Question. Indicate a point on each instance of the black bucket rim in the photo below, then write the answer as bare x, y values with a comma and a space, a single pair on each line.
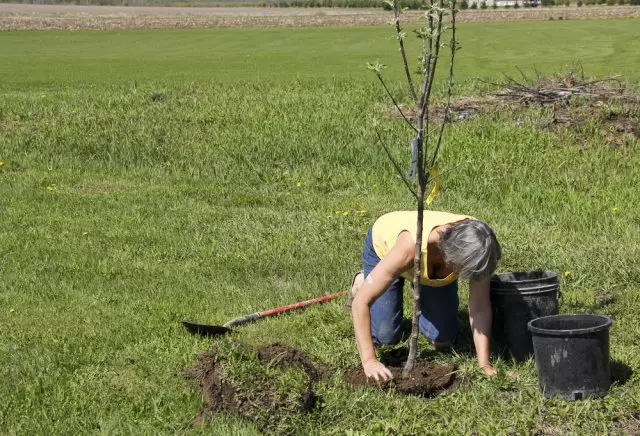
606, 323
526, 291
548, 275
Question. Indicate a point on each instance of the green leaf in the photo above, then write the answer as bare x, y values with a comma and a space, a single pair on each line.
377, 67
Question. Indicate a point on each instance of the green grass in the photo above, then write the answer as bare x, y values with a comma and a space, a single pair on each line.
58, 60
122, 214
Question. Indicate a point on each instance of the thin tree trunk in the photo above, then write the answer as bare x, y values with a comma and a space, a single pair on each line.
417, 262
430, 54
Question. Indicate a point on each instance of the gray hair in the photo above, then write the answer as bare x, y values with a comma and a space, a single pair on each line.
472, 247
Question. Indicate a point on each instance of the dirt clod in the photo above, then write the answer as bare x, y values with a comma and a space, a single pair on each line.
261, 405
426, 379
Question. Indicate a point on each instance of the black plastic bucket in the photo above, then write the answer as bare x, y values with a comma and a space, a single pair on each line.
516, 299
572, 355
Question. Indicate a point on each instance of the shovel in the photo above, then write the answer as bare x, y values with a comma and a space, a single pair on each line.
213, 330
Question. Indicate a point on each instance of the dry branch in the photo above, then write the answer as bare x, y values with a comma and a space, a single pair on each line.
548, 90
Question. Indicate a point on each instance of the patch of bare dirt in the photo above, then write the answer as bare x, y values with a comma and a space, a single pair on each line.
425, 380
76, 17
628, 427
460, 109
265, 407
580, 107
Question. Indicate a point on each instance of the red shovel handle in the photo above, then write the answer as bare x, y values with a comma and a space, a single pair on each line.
253, 316
301, 304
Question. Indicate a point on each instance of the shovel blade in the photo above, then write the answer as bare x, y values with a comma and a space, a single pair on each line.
204, 329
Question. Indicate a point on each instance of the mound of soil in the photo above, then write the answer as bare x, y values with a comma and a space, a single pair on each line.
262, 407
425, 380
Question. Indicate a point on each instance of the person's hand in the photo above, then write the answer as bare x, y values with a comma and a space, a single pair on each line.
488, 370
373, 368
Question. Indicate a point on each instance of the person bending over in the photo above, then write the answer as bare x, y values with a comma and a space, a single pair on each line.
453, 246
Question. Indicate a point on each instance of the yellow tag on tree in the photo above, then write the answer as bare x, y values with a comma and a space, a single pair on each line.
434, 175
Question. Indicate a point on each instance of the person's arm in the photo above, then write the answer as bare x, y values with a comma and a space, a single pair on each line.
398, 260
480, 317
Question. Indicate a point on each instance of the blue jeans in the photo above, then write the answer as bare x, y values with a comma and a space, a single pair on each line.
439, 306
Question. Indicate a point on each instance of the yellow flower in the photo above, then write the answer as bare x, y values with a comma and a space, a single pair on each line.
298, 184
345, 213
50, 188
11, 311
568, 274
615, 210
1, 163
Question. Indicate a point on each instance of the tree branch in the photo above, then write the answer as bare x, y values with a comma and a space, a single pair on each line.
396, 166
394, 102
396, 14
437, 48
427, 60
454, 48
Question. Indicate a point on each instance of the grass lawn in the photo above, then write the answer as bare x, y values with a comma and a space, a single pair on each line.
151, 176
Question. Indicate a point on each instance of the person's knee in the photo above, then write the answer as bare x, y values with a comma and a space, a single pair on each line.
442, 345
447, 335
442, 333
387, 333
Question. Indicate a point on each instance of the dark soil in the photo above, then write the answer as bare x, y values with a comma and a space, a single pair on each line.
285, 356
263, 407
617, 129
425, 380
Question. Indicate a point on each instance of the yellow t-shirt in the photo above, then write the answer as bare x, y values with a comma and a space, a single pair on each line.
386, 229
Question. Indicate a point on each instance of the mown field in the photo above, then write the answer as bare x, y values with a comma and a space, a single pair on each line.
154, 175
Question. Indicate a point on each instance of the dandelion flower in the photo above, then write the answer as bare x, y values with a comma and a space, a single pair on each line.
345, 213
1, 163
298, 184
615, 210
12, 311
568, 274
